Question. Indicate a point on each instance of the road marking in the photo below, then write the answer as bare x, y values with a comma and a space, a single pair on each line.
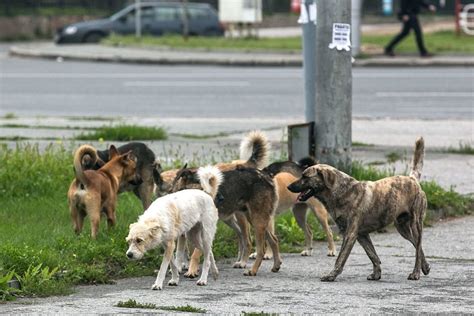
430, 75
190, 84
424, 94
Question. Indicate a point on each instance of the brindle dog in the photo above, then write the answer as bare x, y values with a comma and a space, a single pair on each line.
361, 207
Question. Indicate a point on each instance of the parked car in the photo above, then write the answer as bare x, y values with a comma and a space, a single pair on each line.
157, 18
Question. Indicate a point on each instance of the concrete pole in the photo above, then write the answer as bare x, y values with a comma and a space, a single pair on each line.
309, 66
333, 111
138, 18
356, 13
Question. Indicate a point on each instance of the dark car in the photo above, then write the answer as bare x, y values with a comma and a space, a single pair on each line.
156, 19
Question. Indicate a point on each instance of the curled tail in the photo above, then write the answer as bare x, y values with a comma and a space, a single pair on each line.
307, 162
254, 148
79, 155
210, 178
418, 159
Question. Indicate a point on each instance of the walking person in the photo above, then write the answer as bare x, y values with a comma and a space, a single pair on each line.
408, 14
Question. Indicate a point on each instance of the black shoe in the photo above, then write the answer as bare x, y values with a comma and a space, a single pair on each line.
426, 55
388, 52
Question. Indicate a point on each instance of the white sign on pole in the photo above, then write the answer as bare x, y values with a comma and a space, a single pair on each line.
341, 36
308, 13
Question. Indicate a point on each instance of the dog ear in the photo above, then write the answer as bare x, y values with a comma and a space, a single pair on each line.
153, 227
113, 152
129, 156
329, 178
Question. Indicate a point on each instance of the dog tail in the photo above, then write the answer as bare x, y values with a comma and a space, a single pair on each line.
84, 150
306, 162
255, 148
210, 178
418, 159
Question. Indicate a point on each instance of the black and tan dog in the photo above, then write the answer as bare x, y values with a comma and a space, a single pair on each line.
361, 207
250, 193
147, 169
94, 192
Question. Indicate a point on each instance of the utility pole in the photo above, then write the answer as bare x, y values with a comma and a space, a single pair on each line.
185, 20
138, 18
355, 18
309, 54
333, 108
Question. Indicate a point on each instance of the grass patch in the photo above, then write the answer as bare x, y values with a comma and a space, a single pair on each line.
124, 133
463, 149
207, 136
10, 116
361, 144
207, 43
13, 138
438, 43
393, 157
134, 304
46, 127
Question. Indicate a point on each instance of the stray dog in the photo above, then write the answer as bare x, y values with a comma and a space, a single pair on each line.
285, 173
254, 149
250, 193
95, 191
190, 212
147, 169
361, 207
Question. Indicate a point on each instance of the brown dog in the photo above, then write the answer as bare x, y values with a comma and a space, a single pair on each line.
361, 207
95, 191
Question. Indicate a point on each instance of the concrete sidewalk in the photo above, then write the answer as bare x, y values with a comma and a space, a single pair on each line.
201, 57
296, 288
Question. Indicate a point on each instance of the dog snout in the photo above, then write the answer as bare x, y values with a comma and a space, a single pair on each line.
130, 255
294, 187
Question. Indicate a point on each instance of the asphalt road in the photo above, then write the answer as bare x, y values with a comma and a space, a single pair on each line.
50, 88
448, 289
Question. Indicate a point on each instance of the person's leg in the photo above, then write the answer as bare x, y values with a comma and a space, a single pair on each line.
405, 31
415, 24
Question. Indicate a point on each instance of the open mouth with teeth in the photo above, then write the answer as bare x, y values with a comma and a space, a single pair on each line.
305, 195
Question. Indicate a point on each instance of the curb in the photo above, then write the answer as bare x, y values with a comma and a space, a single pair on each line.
174, 57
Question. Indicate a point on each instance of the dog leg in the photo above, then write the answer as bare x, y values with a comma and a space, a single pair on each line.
259, 240
144, 193
111, 219
366, 243
167, 257
193, 269
349, 239
299, 211
268, 248
77, 219
402, 223
322, 216
214, 270
246, 242
273, 241
181, 255
174, 273
94, 216
417, 230
206, 249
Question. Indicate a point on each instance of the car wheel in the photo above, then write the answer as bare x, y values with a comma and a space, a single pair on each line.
94, 37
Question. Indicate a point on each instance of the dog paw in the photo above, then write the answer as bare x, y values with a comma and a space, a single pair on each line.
374, 277
331, 253
172, 283
253, 255
426, 269
306, 253
275, 269
249, 273
239, 265
157, 287
267, 256
328, 278
414, 276
191, 275
201, 283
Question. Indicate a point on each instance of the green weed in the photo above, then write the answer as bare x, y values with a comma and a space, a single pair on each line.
10, 116
463, 149
124, 133
6, 292
134, 304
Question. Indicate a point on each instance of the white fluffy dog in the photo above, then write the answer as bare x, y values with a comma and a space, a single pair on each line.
190, 212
